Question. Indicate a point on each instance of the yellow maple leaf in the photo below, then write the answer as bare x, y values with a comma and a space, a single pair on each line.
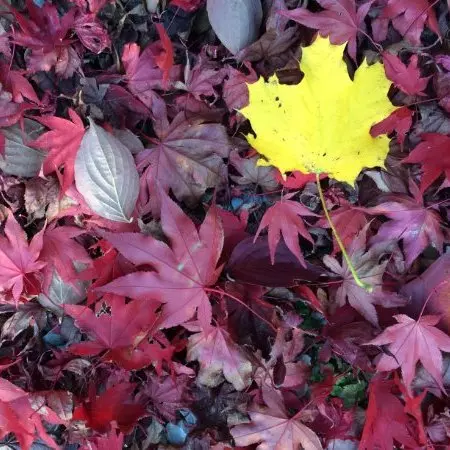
322, 124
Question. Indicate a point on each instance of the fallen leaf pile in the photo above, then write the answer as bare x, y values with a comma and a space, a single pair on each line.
169, 275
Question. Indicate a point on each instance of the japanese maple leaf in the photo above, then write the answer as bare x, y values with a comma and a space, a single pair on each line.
187, 158
17, 257
409, 18
144, 74
219, 358
434, 155
251, 173
413, 223
60, 251
167, 395
62, 143
113, 405
386, 421
201, 79
17, 416
120, 333
399, 121
405, 77
297, 179
370, 271
348, 221
44, 35
182, 270
271, 428
283, 218
412, 341
340, 21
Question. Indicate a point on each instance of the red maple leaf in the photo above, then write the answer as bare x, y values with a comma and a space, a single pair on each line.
405, 77
17, 416
123, 333
182, 270
297, 180
44, 35
113, 405
411, 341
187, 157
18, 259
413, 223
283, 218
144, 74
60, 251
218, 355
434, 155
62, 142
386, 421
399, 121
340, 21
409, 18
272, 428
348, 221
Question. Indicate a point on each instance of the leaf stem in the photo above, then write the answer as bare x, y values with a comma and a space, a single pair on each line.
350, 265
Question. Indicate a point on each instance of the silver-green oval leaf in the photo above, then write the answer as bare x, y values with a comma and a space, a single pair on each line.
106, 175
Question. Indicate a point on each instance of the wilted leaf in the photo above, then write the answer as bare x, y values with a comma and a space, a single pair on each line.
236, 22
106, 175
297, 127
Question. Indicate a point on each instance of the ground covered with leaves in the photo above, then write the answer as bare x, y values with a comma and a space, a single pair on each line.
168, 275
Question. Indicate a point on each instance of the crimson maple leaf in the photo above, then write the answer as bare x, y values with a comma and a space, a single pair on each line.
17, 416
413, 223
405, 77
60, 251
218, 355
113, 405
386, 421
182, 270
409, 17
271, 428
187, 158
411, 341
399, 121
283, 219
144, 74
123, 333
434, 155
62, 143
348, 221
340, 21
17, 257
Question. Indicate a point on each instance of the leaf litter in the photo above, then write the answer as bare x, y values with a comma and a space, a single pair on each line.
188, 188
